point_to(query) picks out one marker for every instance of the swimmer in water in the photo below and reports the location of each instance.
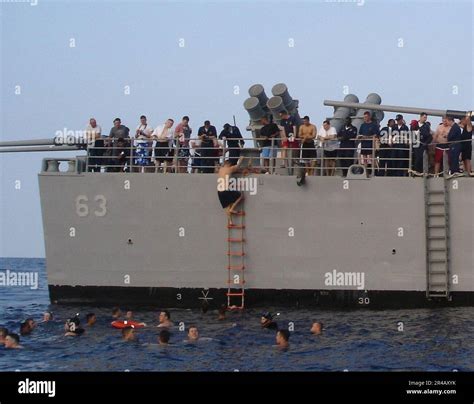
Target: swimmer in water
(282, 339)
(73, 327)
(91, 319)
(25, 328)
(164, 319)
(128, 334)
(47, 316)
(164, 337)
(266, 321)
(193, 333)
(221, 312)
(317, 328)
(3, 334)
(116, 313)
(12, 341)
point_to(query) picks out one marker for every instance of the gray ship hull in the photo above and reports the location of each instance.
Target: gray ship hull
(159, 239)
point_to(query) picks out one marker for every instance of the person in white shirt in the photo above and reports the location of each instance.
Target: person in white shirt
(96, 145)
(164, 141)
(327, 135)
(143, 144)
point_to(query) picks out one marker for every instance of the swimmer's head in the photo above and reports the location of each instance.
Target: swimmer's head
(129, 315)
(193, 333)
(47, 316)
(164, 316)
(73, 324)
(91, 318)
(164, 337)
(128, 333)
(25, 328)
(282, 337)
(31, 323)
(12, 340)
(116, 312)
(317, 328)
(266, 318)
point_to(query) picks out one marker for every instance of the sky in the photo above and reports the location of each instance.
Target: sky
(63, 62)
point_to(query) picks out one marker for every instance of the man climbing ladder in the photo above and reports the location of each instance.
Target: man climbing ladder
(229, 199)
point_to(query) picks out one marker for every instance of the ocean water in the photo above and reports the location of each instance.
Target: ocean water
(356, 340)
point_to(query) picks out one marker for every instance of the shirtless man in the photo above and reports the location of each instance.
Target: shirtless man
(228, 199)
(440, 139)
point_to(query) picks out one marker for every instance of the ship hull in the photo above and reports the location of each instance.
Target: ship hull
(116, 238)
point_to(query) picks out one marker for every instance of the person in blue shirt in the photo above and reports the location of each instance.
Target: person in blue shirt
(367, 132)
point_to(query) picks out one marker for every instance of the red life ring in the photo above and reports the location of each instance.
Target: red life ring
(127, 323)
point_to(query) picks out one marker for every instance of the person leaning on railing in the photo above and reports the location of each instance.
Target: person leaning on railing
(232, 136)
(182, 134)
(367, 132)
(425, 138)
(454, 138)
(307, 134)
(94, 139)
(440, 139)
(143, 143)
(164, 138)
(119, 140)
(466, 145)
(208, 136)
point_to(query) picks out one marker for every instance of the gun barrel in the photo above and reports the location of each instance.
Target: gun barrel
(400, 109)
(37, 149)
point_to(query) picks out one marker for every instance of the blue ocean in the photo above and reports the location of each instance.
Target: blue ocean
(356, 340)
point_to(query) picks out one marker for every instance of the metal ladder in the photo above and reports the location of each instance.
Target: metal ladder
(437, 237)
(236, 261)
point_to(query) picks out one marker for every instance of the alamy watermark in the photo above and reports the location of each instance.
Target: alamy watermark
(18, 279)
(28, 386)
(71, 137)
(228, 183)
(336, 278)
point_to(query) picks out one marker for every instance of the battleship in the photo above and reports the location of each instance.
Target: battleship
(359, 241)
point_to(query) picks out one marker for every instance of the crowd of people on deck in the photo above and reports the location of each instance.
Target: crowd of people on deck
(167, 329)
(392, 150)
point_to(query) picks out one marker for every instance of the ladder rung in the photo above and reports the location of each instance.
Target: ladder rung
(435, 203)
(236, 226)
(236, 254)
(236, 267)
(436, 214)
(435, 192)
(434, 293)
(437, 261)
(438, 273)
(436, 249)
(235, 294)
(437, 226)
(239, 213)
(437, 238)
(236, 240)
(438, 284)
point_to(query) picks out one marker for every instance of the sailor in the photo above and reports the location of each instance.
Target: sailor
(229, 199)
(367, 132)
(12, 341)
(233, 138)
(345, 153)
(73, 327)
(425, 139)
(208, 136)
(266, 321)
(317, 328)
(164, 319)
(289, 138)
(47, 316)
(193, 333)
(164, 337)
(454, 137)
(386, 164)
(116, 313)
(282, 339)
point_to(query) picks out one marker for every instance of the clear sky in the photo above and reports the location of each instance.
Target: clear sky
(63, 62)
